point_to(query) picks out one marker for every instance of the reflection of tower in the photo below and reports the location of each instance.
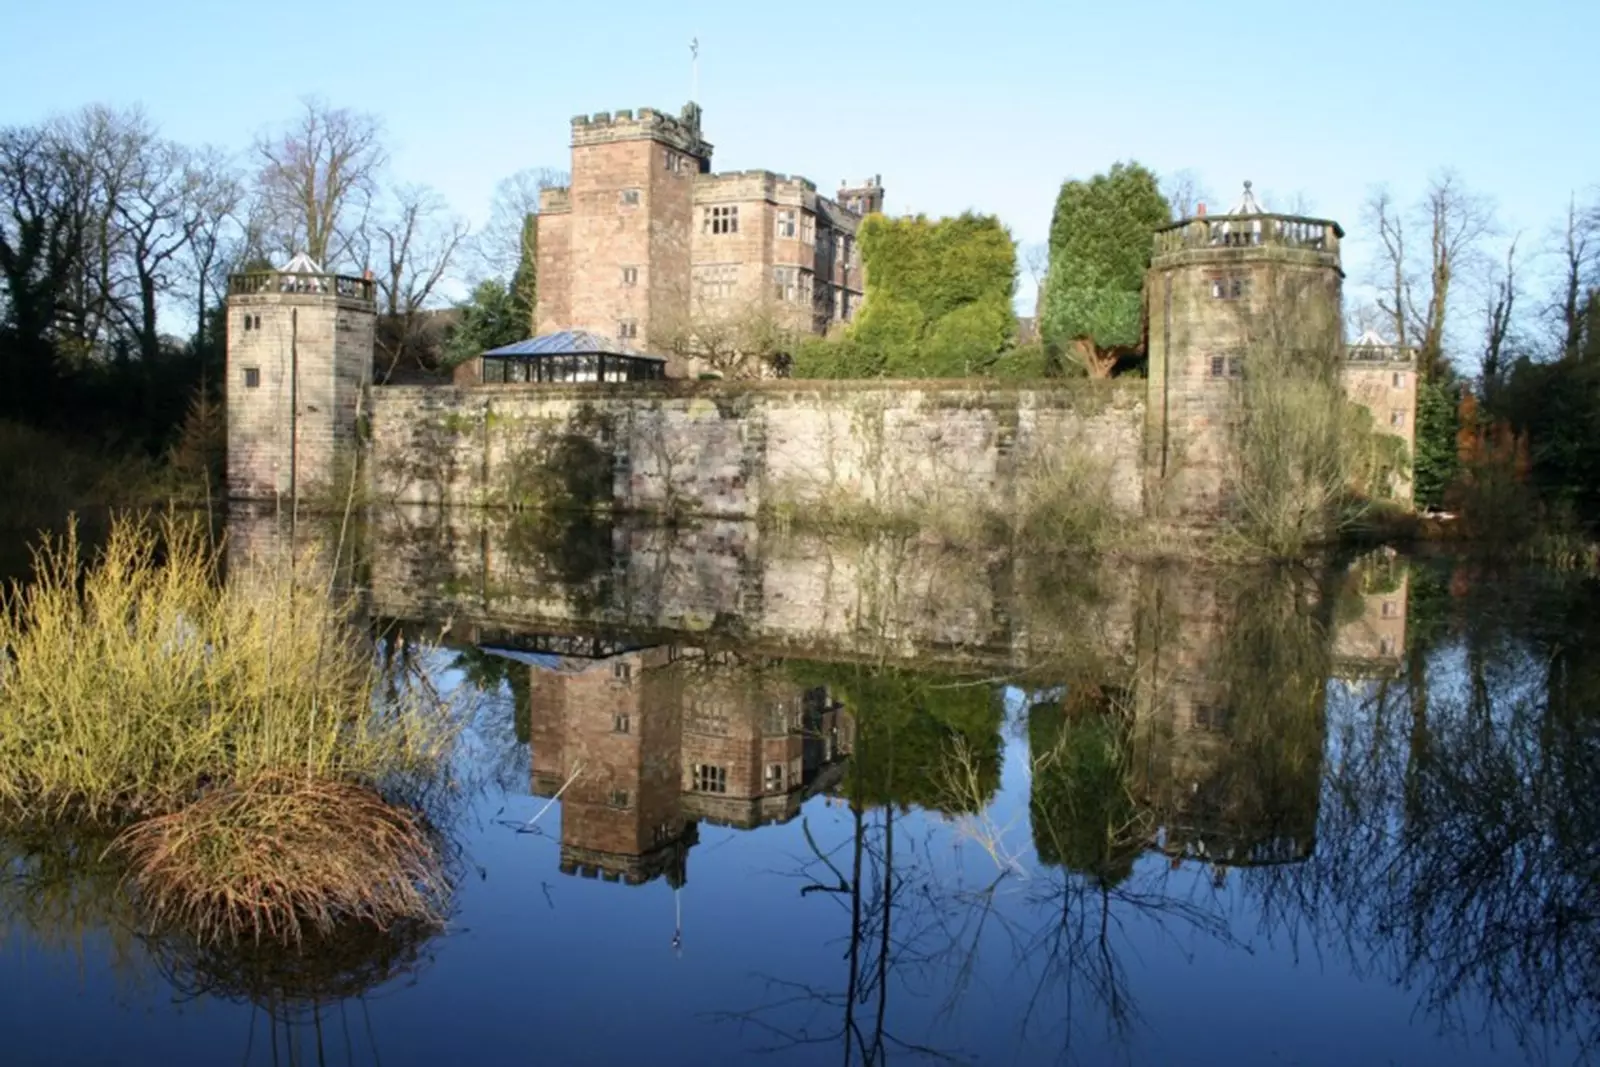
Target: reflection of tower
(612, 727)
(755, 744)
(1370, 617)
(1230, 713)
(640, 745)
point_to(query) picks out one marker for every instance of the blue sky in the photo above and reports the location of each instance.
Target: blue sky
(957, 106)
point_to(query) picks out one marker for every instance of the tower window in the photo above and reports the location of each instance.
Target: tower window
(715, 281)
(620, 798)
(786, 223)
(1399, 379)
(785, 283)
(252, 377)
(627, 330)
(1397, 417)
(1391, 609)
(630, 198)
(709, 779)
(630, 276)
(1230, 287)
(247, 322)
(774, 777)
(724, 219)
(621, 723)
(1227, 366)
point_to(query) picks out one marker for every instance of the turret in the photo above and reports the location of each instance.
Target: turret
(299, 359)
(1221, 287)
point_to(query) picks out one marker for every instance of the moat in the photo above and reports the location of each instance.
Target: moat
(738, 796)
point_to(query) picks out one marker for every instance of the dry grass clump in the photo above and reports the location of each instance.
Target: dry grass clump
(129, 687)
(278, 857)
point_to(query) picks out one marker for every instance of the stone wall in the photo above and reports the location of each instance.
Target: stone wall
(734, 449)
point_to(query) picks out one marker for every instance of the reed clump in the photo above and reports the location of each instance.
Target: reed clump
(236, 735)
(277, 857)
(131, 685)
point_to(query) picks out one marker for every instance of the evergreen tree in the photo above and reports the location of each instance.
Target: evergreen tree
(1100, 237)
(525, 282)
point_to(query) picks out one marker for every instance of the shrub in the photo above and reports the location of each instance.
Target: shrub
(132, 686)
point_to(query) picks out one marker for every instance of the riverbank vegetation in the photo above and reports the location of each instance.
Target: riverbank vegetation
(237, 736)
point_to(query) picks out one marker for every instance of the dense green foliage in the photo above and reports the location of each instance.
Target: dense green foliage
(921, 739)
(492, 316)
(938, 302)
(1558, 406)
(1100, 239)
(1435, 455)
(524, 285)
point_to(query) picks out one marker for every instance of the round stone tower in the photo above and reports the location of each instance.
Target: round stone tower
(299, 359)
(1223, 292)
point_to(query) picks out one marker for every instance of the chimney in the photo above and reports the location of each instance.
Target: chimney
(1200, 210)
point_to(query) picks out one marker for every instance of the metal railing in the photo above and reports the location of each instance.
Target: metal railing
(1249, 231)
(273, 281)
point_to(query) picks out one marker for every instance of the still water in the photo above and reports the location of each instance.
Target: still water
(738, 797)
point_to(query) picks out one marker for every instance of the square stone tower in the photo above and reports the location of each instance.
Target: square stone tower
(614, 246)
(299, 359)
(1222, 290)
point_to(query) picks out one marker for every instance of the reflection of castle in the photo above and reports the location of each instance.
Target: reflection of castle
(1370, 632)
(643, 745)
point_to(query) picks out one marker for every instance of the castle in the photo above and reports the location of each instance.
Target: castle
(646, 242)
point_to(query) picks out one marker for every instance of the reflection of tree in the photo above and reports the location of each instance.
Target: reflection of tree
(1083, 814)
(1456, 846)
(303, 992)
(908, 724)
(896, 930)
(62, 887)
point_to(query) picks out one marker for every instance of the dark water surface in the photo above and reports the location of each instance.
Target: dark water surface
(827, 803)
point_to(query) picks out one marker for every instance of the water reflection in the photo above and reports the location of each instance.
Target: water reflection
(964, 806)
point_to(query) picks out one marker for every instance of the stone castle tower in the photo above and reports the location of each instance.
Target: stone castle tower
(1221, 291)
(614, 247)
(299, 358)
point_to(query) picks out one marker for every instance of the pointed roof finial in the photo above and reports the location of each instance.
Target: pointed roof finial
(1248, 204)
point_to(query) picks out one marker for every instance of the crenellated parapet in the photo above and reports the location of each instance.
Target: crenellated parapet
(555, 201)
(680, 131)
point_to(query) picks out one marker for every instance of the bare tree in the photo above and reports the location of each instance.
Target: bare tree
(150, 214)
(502, 243)
(1185, 192)
(41, 242)
(213, 197)
(412, 249)
(1392, 278)
(318, 178)
(1499, 307)
(743, 339)
(1414, 280)
(1457, 221)
(1578, 245)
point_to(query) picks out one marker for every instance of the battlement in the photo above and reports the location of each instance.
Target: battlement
(1227, 236)
(756, 185)
(555, 201)
(606, 127)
